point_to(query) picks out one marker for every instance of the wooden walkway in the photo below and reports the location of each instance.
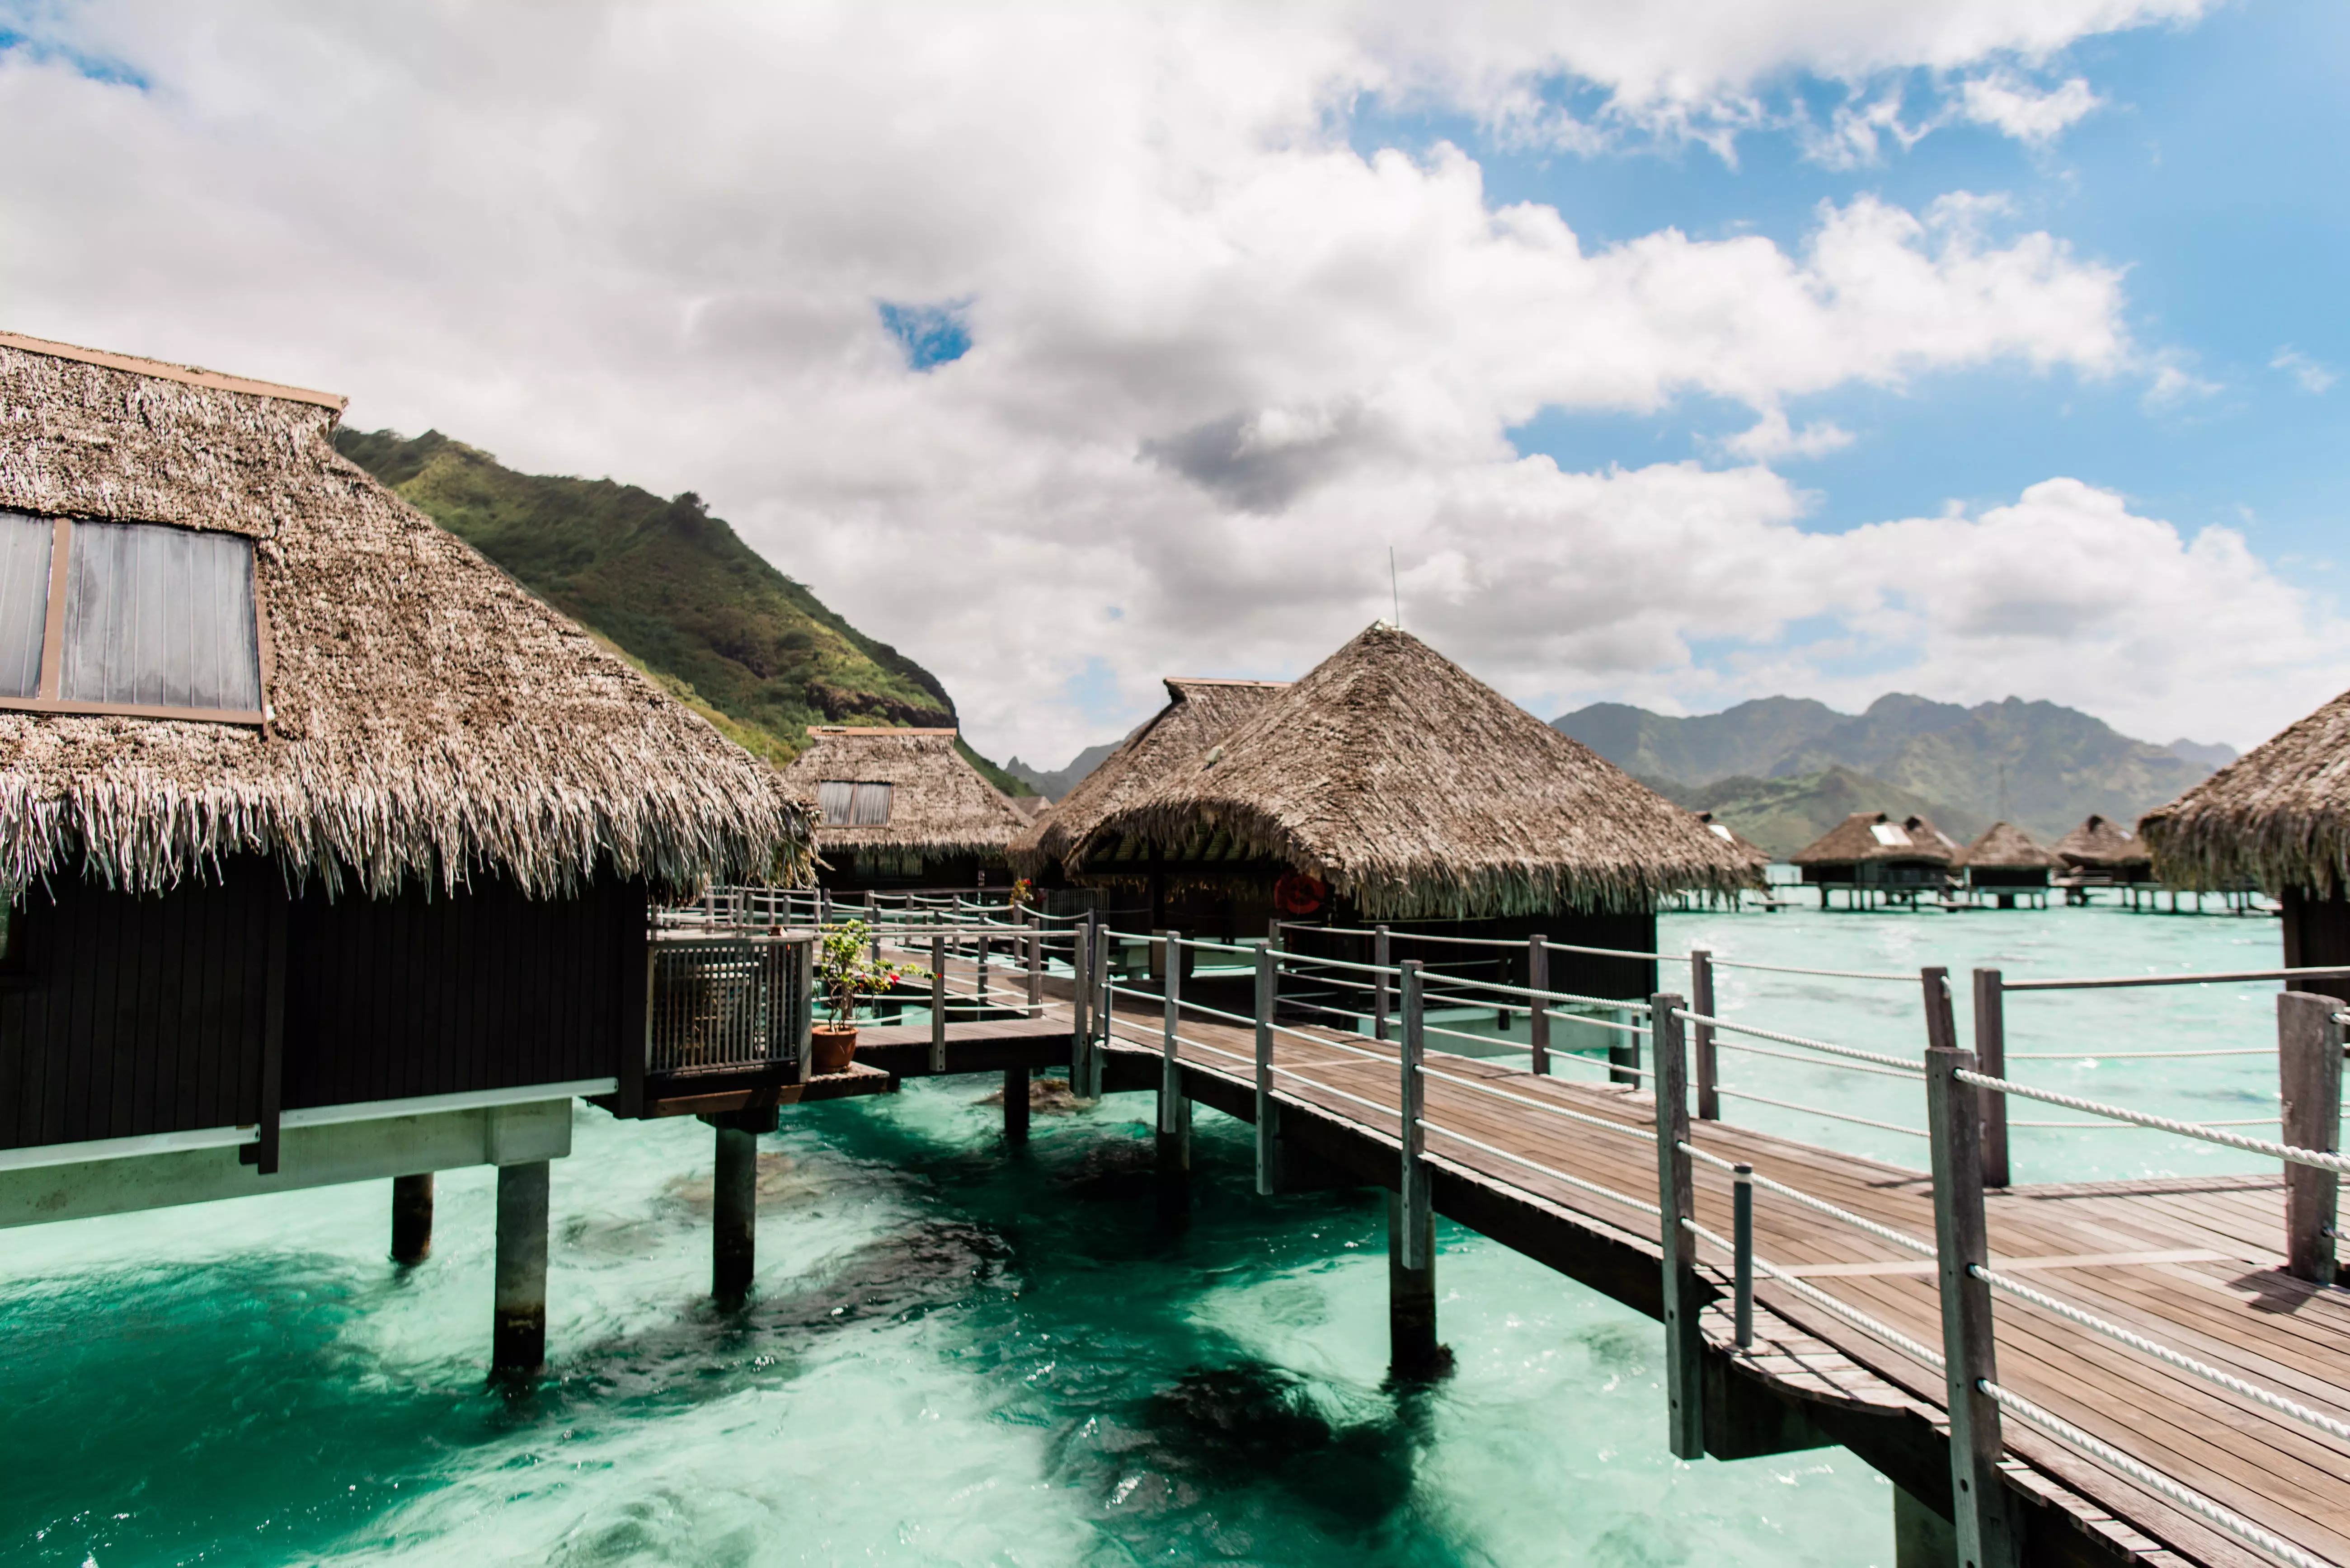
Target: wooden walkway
(2193, 1264)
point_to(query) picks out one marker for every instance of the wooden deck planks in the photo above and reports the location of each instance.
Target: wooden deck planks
(2234, 1310)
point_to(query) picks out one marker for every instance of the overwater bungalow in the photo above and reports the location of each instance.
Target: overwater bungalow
(2102, 852)
(2008, 865)
(328, 852)
(1200, 711)
(1390, 787)
(2278, 819)
(902, 809)
(1880, 862)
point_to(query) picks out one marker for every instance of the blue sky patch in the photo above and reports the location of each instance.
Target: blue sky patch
(931, 335)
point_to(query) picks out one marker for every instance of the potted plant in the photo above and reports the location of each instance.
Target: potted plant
(846, 970)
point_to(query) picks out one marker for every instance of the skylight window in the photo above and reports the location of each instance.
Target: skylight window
(847, 804)
(127, 617)
(1889, 835)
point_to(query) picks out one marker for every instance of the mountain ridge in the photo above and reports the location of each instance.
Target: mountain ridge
(674, 589)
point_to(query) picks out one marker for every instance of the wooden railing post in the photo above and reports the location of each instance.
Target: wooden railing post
(1991, 1058)
(1412, 1348)
(1174, 1110)
(1268, 1129)
(1035, 969)
(1709, 1096)
(1081, 996)
(2309, 1075)
(1538, 1020)
(1677, 1197)
(803, 1007)
(938, 1003)
(1104, 1005)
(1624, 1057)
(1741, 1245)
(1986, 1536)
(1379, 961)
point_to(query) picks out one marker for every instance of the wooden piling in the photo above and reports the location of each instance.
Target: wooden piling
(1381, 944)
(1987, 1537)
(412, 1218)
(734, 1217)
(2309, 1073)
(1015, 1105)
(1268, 1113)
(518, 1317)
(1413, 1351)
(938, 1004)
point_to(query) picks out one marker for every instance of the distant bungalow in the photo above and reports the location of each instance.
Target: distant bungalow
(1390, 786)
(1877, 860)
(1756, 855)
(1197, 715)
(902, 809)
(329, 853)
(2102, 852)
(2006, 863)
(2277, 818)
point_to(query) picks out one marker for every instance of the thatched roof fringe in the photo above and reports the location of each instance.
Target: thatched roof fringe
(939, 804)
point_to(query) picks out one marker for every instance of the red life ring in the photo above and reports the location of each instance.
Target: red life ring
(1297, 895)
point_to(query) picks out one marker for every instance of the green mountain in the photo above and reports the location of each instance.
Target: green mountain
(1782, 814)
(673, 588)
(1054, 783)
(2039, 765)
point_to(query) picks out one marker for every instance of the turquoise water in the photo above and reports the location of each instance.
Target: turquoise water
(965, 1354)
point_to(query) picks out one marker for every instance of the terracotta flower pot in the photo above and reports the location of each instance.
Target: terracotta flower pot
(833, 1046)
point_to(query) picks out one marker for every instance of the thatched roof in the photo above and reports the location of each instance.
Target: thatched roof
(938, 802)
(2278, 817)
(2101, 844)
(1872, 835)
(1031, 807)
(428, 718)
(1755, 853)
(1419, 791)
(1198, 712)
(2005, 846)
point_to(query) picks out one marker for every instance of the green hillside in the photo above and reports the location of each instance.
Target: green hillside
(1782, 814)
(673, 588)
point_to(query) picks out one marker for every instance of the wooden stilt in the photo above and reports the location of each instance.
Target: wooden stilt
(1683, 1295)
(1413, 1352)
(412, 1218)
(1015, 1105)
(2308, 1070)
(734, 1218)
(518, 1321)
(1174, 1110)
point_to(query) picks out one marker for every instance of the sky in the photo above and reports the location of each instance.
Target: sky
(1676, 354)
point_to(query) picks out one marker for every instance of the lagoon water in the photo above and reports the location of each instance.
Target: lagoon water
(962, 1355)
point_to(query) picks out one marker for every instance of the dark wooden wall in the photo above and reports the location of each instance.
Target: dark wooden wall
(393, 998)
(2317, 932)
(132, 1015)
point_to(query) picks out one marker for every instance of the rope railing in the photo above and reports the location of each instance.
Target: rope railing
(2122, 982)
(2269, 1052)
(2330, 1426)
(2225, 1520)
(1821, 1111)
(1510, 944)
(2318, 1159)
(1820, 1298)
(1822, 974)
(1882, 1060)
(1813, 1061)
(1640, 1205)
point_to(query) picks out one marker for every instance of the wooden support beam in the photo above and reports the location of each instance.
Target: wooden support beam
(1684, 1294)
(1081, 996)
(1380, 945)
(1174, 1110)
(1987, 1537)
(1268, 1114)
(1413, 1350)
(2309, 1075)
(938, 1003)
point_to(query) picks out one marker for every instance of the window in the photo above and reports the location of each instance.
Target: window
(146, 619)
(1887, 834)
(850, 804)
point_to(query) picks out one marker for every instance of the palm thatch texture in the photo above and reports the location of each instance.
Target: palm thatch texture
(429, 720)
(1872, 837)
(907, 792)
(1416, 792)
(2006, 847)
(2277, 817)
(2103, 845)
(1755, 853)
(1198, 712)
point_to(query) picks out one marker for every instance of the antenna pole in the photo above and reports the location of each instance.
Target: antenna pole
(1394, 591)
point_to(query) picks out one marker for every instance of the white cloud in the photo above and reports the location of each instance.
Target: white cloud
(2310, 375)
(1220, 360)
(2007, 102)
